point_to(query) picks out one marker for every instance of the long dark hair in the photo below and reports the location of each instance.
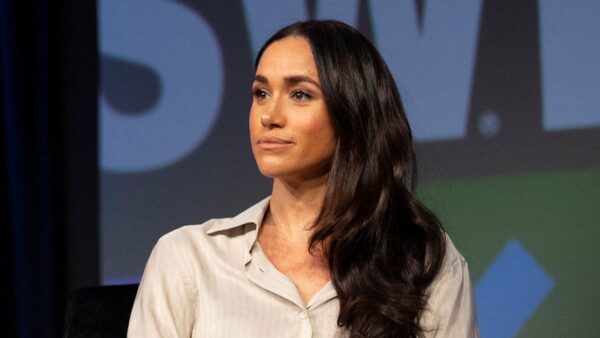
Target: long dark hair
(383, 247)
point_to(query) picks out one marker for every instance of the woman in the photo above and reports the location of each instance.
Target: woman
(342, 247)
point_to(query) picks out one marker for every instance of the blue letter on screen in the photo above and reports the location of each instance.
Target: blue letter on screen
(181, 48)
(570, 52)
(265, 17)
(433, 68)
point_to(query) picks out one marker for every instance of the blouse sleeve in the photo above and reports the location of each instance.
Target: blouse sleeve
(165, 304)
(451, 305)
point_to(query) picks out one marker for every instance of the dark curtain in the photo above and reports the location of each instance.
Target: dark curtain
(48, 157)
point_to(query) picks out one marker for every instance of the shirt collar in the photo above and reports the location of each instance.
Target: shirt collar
(253, 215)
(250, 220)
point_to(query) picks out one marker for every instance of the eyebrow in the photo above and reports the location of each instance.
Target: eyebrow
(291, 80)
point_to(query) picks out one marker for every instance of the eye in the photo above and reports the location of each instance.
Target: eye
(301, 95)
(259, 94)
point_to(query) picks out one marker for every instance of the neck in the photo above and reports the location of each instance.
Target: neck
(295, 206)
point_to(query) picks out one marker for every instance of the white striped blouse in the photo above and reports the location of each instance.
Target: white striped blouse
(213, 280)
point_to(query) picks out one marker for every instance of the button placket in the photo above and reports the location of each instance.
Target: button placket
(305, 325)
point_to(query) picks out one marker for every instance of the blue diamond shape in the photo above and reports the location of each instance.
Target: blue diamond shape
(510, 291)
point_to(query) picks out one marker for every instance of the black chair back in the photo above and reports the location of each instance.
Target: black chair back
(99, 311)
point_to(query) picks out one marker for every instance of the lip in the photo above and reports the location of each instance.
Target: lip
(272, 143)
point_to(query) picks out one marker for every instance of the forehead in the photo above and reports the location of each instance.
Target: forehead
(291, 55)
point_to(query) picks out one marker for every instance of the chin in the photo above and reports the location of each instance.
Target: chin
(269, 171)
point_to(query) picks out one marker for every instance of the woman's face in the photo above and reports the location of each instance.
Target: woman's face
(290, 131)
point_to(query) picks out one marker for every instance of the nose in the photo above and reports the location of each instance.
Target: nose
(273, 116)
(265, 120)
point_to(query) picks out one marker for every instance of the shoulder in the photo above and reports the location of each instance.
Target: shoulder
(451, 304)
(452, 256)
(185, 251)
(182, 246)
(188, 235)
(454, 267)
(218, 238)
(196, 240)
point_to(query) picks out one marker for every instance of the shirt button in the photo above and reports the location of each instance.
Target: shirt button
(303, 315)
(261, 269)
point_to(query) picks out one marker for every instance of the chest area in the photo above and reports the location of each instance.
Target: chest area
(307, 272)
(258, 303)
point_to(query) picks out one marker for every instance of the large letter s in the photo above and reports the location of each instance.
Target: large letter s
(182, 49)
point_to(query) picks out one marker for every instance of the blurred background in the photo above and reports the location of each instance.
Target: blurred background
(123, 120)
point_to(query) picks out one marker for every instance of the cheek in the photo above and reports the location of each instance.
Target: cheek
(252, 121)
(320, 138)
(319, 129)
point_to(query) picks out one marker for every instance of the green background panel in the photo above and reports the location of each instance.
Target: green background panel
(555, 216)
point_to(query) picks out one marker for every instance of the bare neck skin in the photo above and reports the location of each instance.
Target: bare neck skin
(286, 230)
(294, 207)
